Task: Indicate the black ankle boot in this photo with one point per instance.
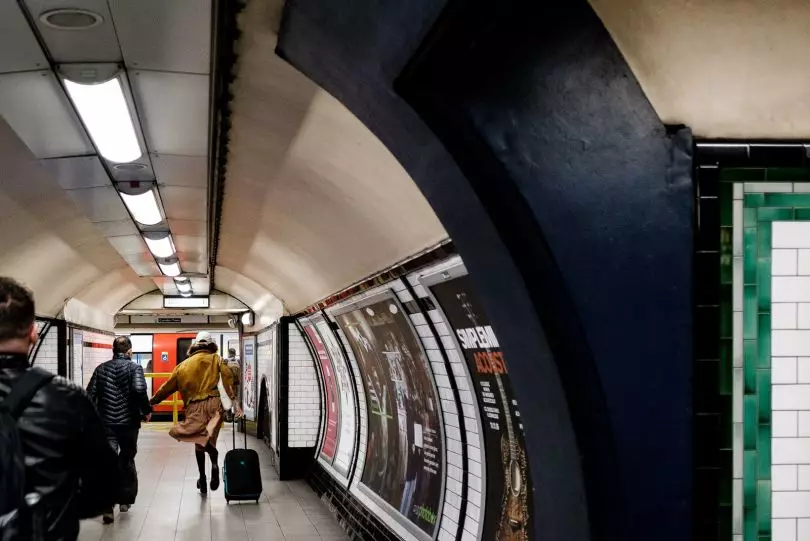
(202, 485)
(214, 477)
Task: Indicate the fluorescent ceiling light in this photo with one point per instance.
(181, 279)
(144, 207)
(160, 247)
(170, 269)
(247, 319)
(183, 287)
(186, 301)
(105, 113)
(185, 293)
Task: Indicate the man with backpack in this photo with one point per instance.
(56, 466)
(118, 389)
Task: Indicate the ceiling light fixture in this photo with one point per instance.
(104, 111)
(144, 207)
(185, 294)
(170, 269)
(183, 287)
(71, 19)
(160, 244)
(181, 279)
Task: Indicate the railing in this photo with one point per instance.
(174, 402)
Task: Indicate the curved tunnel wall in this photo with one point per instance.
(570, 204)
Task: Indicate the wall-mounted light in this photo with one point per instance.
(103, 108)
(247, 319)
(160, 244)
(143, 207)
(169, 268)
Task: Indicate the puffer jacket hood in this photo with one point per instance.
(118, 389)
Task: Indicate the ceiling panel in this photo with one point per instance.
(189, 171)
(97, 44)
(200, 286)
(199, 267)
(143, 267)
(19, 49)
(190, 245)
(35, 107)
(99, 204)
(117, 229)
(129, 245)
(164, 35)
(189, 227)
(184, 203)
(174, 111)
(79, 172)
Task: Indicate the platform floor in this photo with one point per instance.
(170, 508)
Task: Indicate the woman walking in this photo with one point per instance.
(197, 380)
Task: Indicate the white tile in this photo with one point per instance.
(790, 451)
(790, 343)
(737, 506)
(785, 477)
(791, 235)
(783, 370)
(737, 451)
(791, 504)
(738, 191)
(801, 187)
(738, 274)
(790, 289)
(737, 230)
(804, 423)
(803, 473)
(785, 262)
(791, 397)
(803, 315)
(804, 369)
(803, 530)
(783, 529)
(737, 341)
(804, 262)
(785, 424)
(737, 396)
(784, 315)
(768, 187)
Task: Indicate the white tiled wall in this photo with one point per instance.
(78, 352)
(94, 356)
(266, 370)
(48, 354)
(790, 374)
(304, 397)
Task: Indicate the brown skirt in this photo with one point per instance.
(202, 424)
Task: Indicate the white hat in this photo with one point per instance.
(203, 336)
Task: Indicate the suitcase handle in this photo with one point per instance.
(233, 432)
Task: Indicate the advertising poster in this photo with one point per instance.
(404, 454)
(330, 437)
(249, 380)
(345, 388)
(508, 488)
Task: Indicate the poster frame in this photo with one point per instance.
(392, 513)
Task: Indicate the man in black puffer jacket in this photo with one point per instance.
(118, 389)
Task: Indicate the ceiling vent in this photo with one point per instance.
(130, 167)
(71, 19)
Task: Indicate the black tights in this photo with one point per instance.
(200, 451)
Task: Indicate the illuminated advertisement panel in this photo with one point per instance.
(508, 490)
(345, 386)
(404, 464)
(331, 403)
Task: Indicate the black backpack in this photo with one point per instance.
(17, 518)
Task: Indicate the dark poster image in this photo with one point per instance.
(331, 400)
(403, 463)
(508, 491)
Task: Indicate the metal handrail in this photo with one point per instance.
(174, 402)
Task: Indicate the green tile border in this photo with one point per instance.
(759, 211)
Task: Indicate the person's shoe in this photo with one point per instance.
(123, 508)
(214, 477)
(107, 518)
(202, 485)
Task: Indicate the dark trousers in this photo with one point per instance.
(124, 439)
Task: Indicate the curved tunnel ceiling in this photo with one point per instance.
(313, 200)
(725, 69)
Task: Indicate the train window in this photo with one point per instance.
(183, 345)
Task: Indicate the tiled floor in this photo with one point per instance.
(170, 508)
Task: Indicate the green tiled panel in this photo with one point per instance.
(726, 208)
(726, 319)
(750, 256)
(750, 528)
(726, 256)
(764, 507)
(802, 214)
(750, 479)
(750, 363)
(750, 313)
(757, 200)
(764, 449)
(787, 174)
(750, 412)
(770, 214)
(764, 341)
(750, 217)
(786, 200)
(742, 174)
(764, 283)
